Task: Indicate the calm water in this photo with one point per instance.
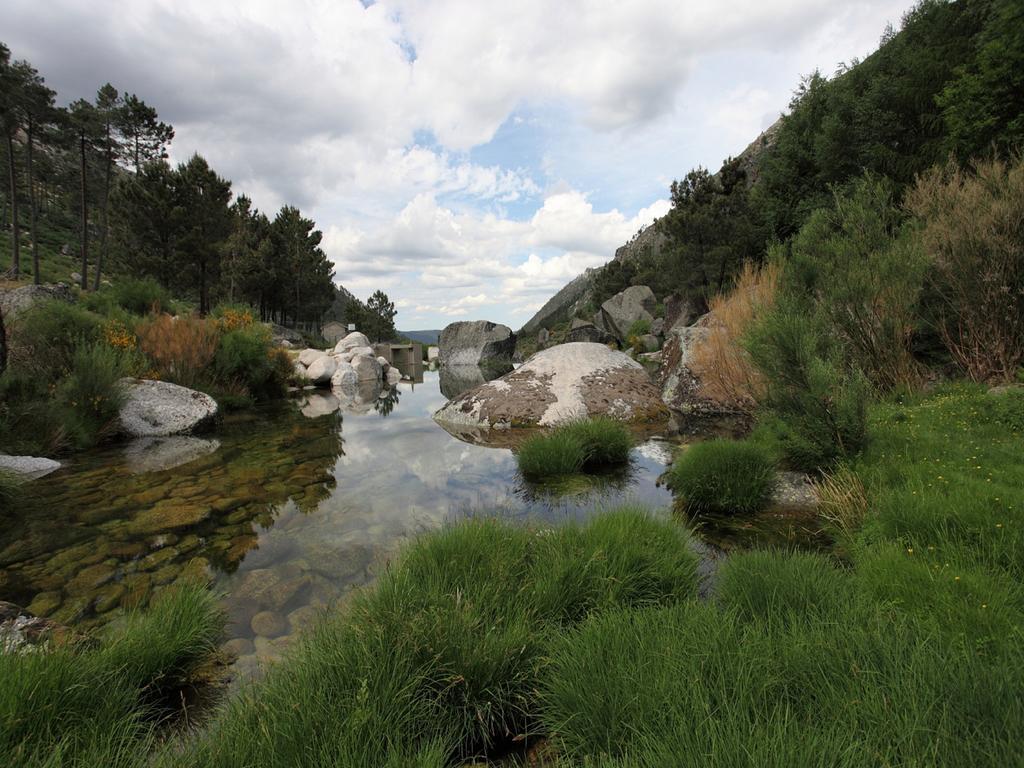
(286, 510)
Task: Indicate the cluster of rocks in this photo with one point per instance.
(345, 366)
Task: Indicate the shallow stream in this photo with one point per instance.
(288, 508)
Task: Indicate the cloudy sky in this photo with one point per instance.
(468, 157)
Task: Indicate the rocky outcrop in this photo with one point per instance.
(565, 304)
(18, 300)
(647, 243)
(159, 408)
(478, 342)
(560, 384)
(583, 331)
(27, 467)
(627, 307)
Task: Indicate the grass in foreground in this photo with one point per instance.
(101, 706)
(723, 476)
(443, 658)
(581, 446)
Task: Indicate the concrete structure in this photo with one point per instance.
(407, 358)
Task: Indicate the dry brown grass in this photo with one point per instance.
(181, 348)
(726, 372)
(843, 501)
(974, 232)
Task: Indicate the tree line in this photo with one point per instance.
(96, 175)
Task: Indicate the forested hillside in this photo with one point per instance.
(949, 82)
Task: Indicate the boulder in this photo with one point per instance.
(558, 385)
(393, 376)
(156, 454)
(21, 631)
(27, 467)
(477, 342)
(433, 353)
(309, 356)
(385, 366)
(345, 381)
(583, 331)
(649, 342)
(281, 335)
(157, 408)
(363, 350)
(321, 370)
(23, 298)
(681, 388)
(353, 340)
(623, 309)
(679, 313)
(456, 379)
(367, 368)
(300, 370)
(658, 327)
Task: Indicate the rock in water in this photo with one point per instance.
(27, 467)
(345, 380)
(367, 368)
(158, 408)
(353, 340)
(320, 370)
(477, 343)
(560, 384)
(156, 454)
(623, 309)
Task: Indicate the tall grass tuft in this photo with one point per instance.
(843, 501)
(719, 360)
(90, 397)
(80, 705)
(585, 445)
(442, 660)
(181, 347)
(724, 476)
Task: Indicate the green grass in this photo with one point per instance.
(443, 657)
(582, 446)
(724, 476)
(101, 706)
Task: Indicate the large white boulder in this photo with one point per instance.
(354, 339)
(367, 368)
(321, 370)
(309, 356)
(561, 384)
(477, 342)
(27, 467)
(393, 376)
(156, 408)
(345, 381)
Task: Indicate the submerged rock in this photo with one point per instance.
(165, 517)
(156, 454)
(28, 467)
(558, 385)
(477, 343)
(159, 408)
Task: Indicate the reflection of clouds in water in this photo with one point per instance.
(660, 451)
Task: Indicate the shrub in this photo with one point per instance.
(181, 348)
(726, 372)
(246, 358)
(585, 445)
(89, 705)
(141, 297)
(974, 232)
(231, 317)
(820, 405)
(723, 476)
(90, 398)
(45, 338)
(442, 659)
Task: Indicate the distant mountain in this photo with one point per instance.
(423, 337)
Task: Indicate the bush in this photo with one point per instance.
(45, 338)
(181, 348)
(723, 476)
(585, 445)
(726, 372)
(247, 360)
(141, 297)
(819, 405)
(88, 705)
(639, 328)
(442, 659)
(973, 229)
(89, 398)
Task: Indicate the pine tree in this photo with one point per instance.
(146, 138)
(380, 312)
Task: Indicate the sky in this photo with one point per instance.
(467, 157)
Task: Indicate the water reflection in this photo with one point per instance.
(284, 511)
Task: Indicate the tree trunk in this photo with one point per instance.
(106, 207)
(202, 288)
(12, 172)
(3, 345)
(32, 213)
(85, 214)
